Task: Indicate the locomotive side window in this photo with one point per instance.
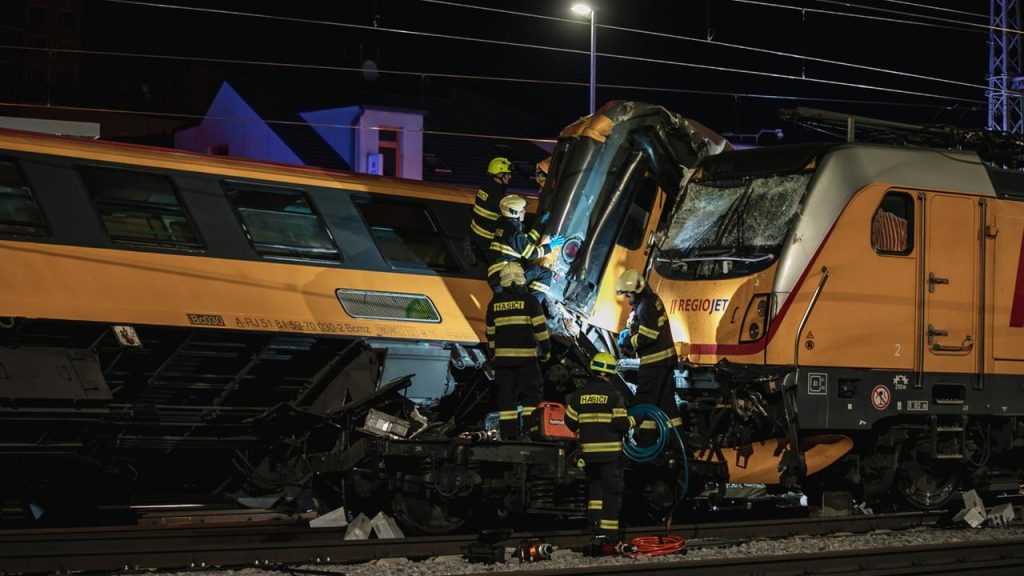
(892, 226)
(407, 234)
(19, 213)
(139, 208)
(282, 223)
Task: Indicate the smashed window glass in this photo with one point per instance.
(740, 221)
(696, 222)
(751, 215)
(773, 205)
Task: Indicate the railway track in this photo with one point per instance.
(992, 558)
(277, 542)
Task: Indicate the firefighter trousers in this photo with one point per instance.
(604, 500)
(522, 383)
(656, 385)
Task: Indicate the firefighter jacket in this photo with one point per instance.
(485, 209)
(512, 244)
(516, 327)
(598, 413)
(651, 334)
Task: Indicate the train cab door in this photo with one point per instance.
(950, 284)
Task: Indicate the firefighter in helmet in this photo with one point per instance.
(597, 412)
(485, 206)
(516, 328)
(650, 336)
(540, 175)
(511, 243)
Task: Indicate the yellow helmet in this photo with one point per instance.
(541, 175)
(512, 273)
(499, 165)
(512, 206)
(629, 281)
(603, 362)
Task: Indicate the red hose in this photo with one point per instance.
(658, 545)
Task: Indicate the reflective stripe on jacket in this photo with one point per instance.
(651, 333)
(598, 412)
(486, 208)
(511, 244)
(516, 327)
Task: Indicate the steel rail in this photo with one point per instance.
(991, 557)
(276, 543)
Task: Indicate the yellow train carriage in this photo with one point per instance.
(189, 324)
(126, 234)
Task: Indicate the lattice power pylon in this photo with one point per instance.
(1005, 110)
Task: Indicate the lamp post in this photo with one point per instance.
(586, 10)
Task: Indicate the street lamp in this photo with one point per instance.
(586, 10)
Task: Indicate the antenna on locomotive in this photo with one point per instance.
(813, 117)
(1002, 149)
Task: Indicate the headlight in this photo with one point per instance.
(756, 318)
(572, 246)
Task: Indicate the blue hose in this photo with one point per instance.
(644, 454)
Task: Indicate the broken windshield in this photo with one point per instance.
(742, 222)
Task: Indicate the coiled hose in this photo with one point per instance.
(644, 454)
(657, 545)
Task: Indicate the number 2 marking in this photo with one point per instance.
(898, 348)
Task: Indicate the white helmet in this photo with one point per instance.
(629, 281)
(512, 206)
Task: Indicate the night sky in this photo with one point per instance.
(548, 55)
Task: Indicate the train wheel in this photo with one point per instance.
(428, 517)
(926, 483)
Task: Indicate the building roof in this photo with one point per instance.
(274, 102)
(463, 130)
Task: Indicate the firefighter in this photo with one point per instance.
(515, 329)
(648, 334)
(598, 412)
(512, 244)
(540, 174)
(485, 206)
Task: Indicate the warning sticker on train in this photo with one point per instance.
(880, 397)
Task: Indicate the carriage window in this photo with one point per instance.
(407, 234)
(139, 208)
(283, 223)
(18, 211)
(632, 234)
(892, 226)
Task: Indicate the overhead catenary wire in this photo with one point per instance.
(705, 41)
(477, 135)
(914, 15)
(268, 121)
(510, 79)
(937, 8)
(961, 26)
(778, 76)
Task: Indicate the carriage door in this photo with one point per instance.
(950, 284)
